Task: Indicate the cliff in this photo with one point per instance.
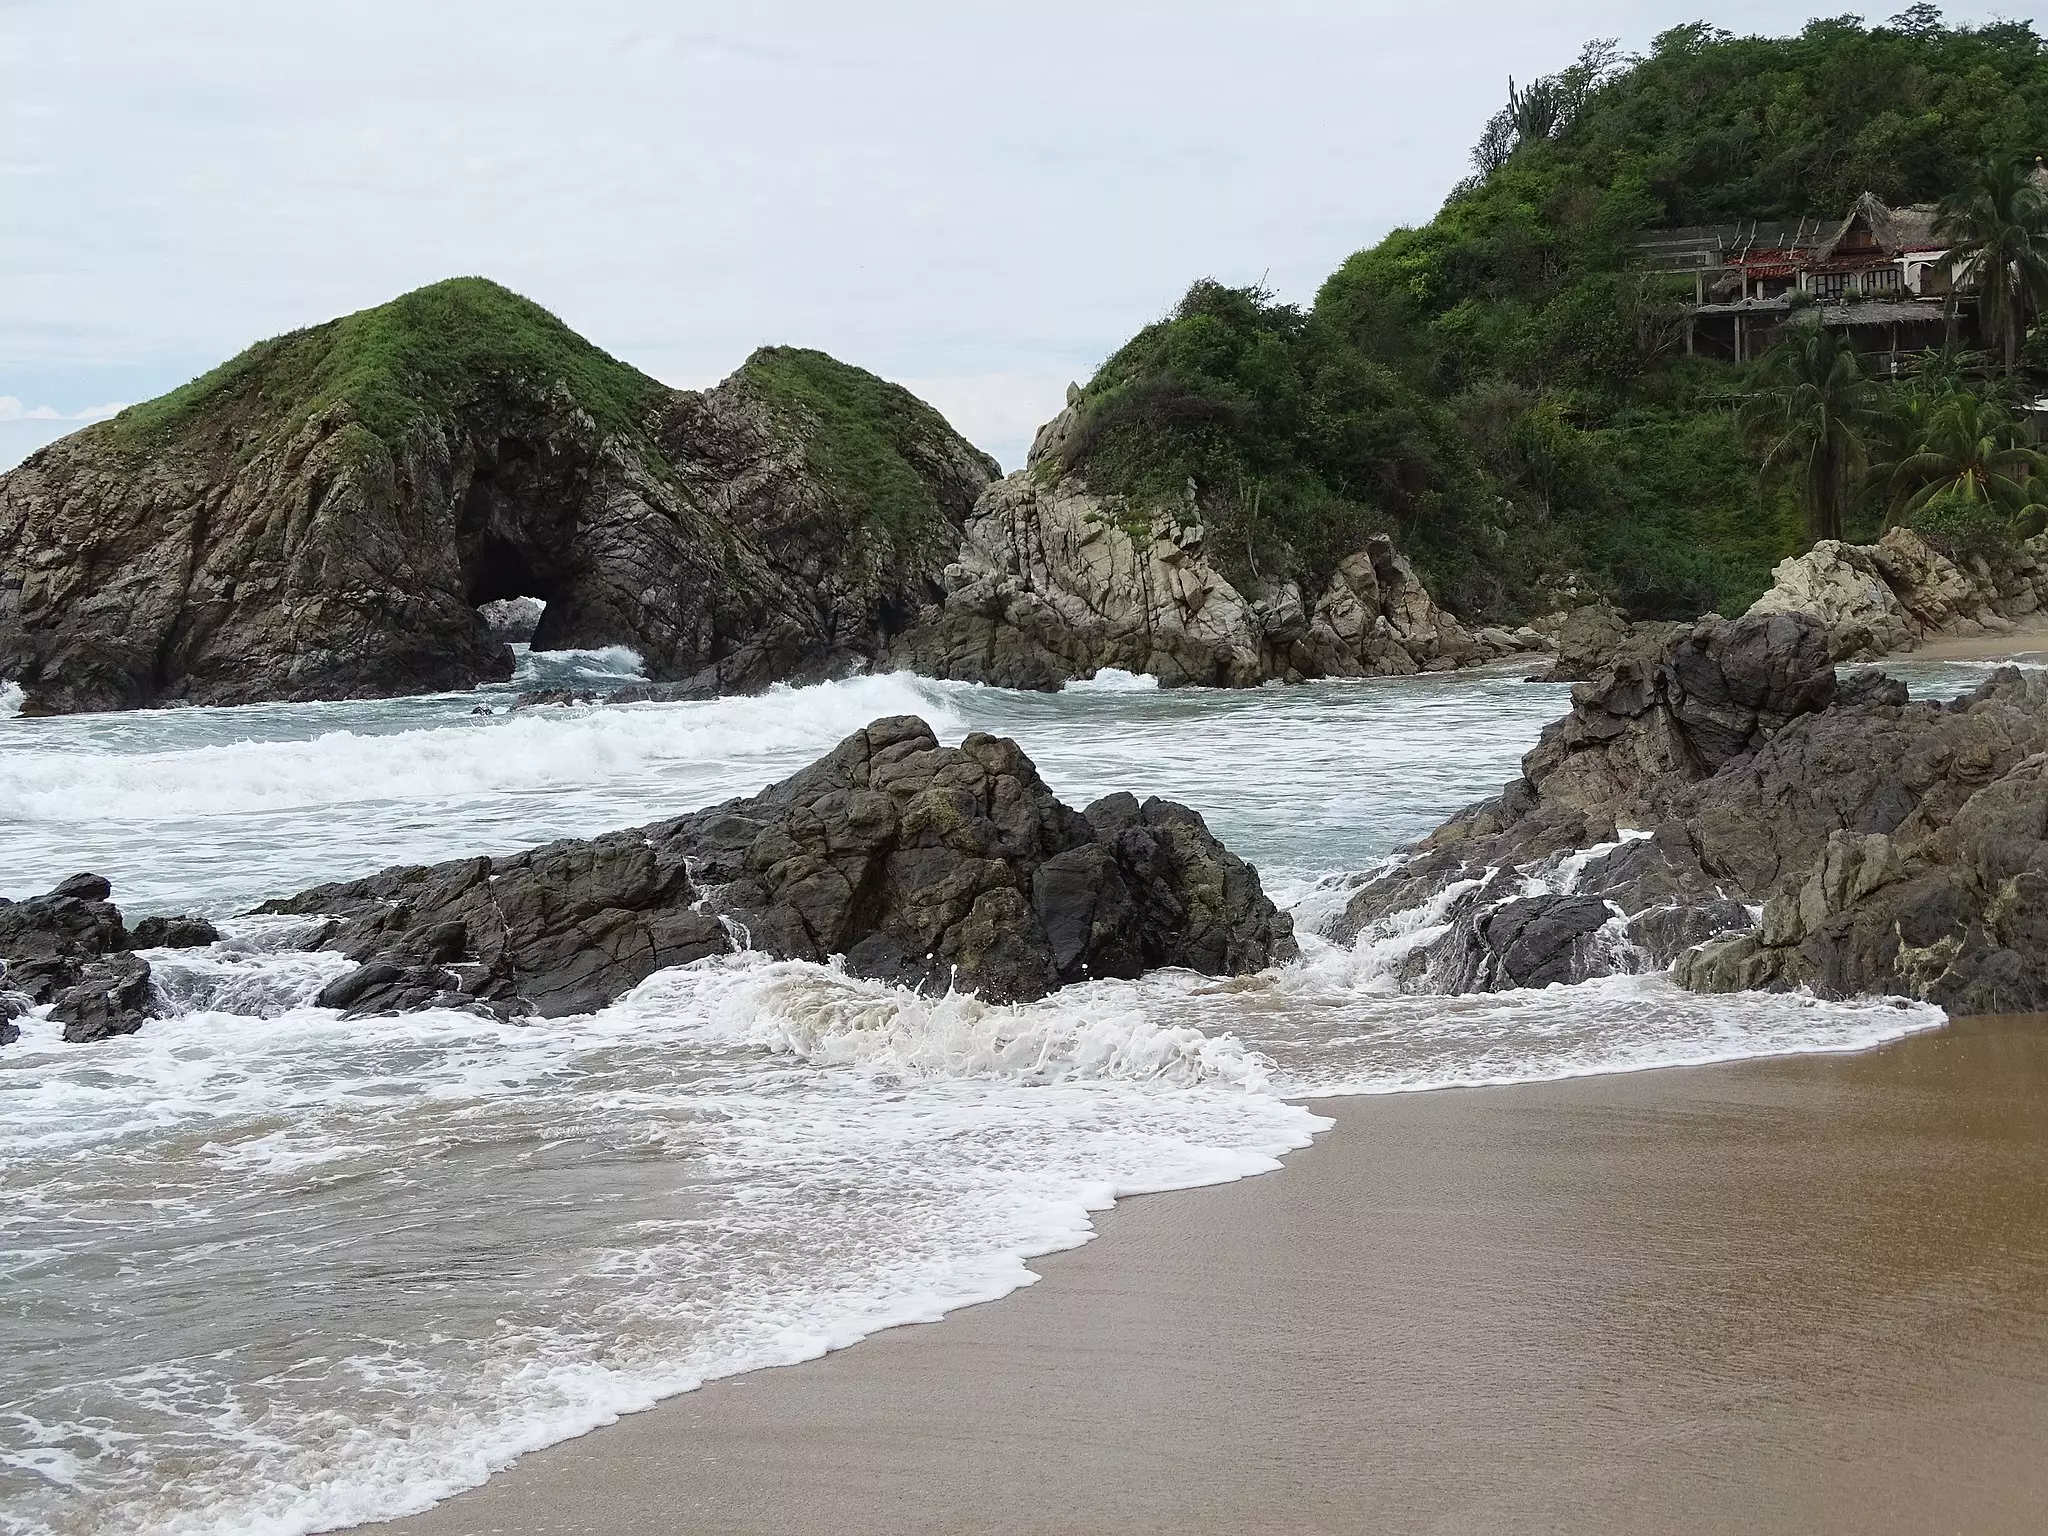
(322, 516)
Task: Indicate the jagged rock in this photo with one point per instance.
(1054, 583)
(1891, 596)
(172, 933)
(257, 536)
(1587, 640)
(1892, 846)
(112, 996)
(48, 941)
(923, 865)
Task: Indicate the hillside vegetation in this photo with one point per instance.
(423, 354)
(1505, 389)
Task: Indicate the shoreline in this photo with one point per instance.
(1798, 1293)
(2026, 645)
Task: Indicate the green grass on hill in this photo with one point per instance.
(417, 356)
(859, 431)
(1505, 387)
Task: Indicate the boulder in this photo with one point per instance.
(513, 620)
(1754, 822)
(48, 941)
(172, 933)
(921, 865)
(112, 996)
(1588, 638)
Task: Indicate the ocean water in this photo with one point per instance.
(264, 1270)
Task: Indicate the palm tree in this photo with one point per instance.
(1972, 449)
(1997, 229)
(1815, 413)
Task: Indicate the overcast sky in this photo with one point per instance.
(980, 201)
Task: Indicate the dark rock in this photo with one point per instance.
(1591, 637)
(539, 698)
(1892, 846)
(923, 865)
(1523, 941)
(85, 888)
(112, 996)
(47, 941)
(1869, 686)
(267, 541)
(172, 933)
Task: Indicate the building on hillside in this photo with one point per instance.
(1880, 273)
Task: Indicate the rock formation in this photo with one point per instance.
(1832, 833)
(322, 516)
(922, 865)
(515, 620)
(70, 948)
(1054, 583)
(1589, 637)
(1891, 596)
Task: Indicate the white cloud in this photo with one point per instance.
(936, 191)
(12, 409)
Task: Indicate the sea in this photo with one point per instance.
(266, 1270)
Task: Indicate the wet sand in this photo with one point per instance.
(2028, 645)
(1806, 1295)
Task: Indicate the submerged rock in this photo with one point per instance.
(922, 865)
(1890, 846)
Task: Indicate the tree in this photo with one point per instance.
(1548, 107)
(1814, 414)
(1997, 229)
(1971, 450)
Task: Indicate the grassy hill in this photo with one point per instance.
(421, 355)
(1505, 388)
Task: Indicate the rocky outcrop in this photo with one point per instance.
(922, 865)
(1738, 812)
(69, 948)
(1055, 583)
(1588, 638)
(1879, 599)
(323, 516)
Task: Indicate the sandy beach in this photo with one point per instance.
(1801, 1295)
(2028, 644)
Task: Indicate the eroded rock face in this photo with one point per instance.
(1739, 814)
(1878, 599)
(252, 558)
(1054, 583)
(923, 865)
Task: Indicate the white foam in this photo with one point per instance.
(527, 751)
(598, 664)
(1082, 1033)
(885, 1160)
(1113, 680)
(10, 698)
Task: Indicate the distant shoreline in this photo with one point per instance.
(2026, 644)
(1807, 1293)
